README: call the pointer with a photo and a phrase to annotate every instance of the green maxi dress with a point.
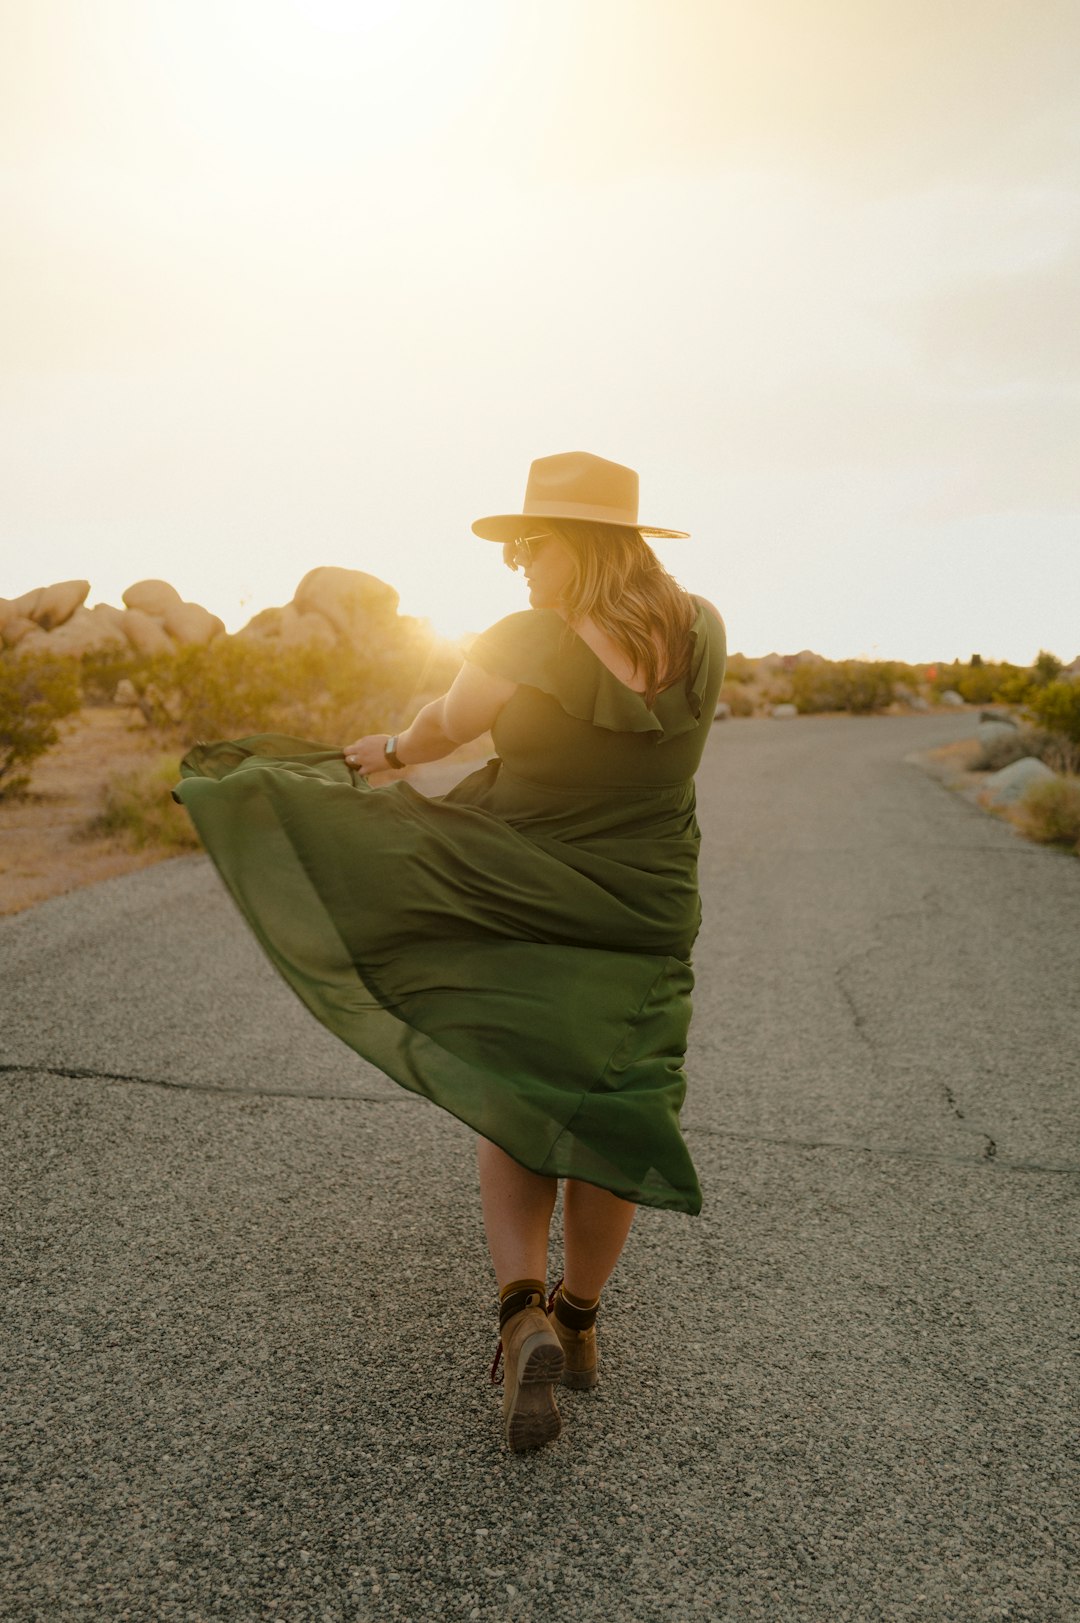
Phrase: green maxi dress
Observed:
(518, 950)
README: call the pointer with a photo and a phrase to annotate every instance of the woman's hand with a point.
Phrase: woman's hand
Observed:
(368, 754)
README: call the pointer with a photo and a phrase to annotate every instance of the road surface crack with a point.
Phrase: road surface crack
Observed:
(78, 1073)
(900, 1151)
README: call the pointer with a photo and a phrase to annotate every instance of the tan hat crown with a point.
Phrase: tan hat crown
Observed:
(577, 485)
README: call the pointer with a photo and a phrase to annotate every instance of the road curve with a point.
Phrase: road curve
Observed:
(248, 1312)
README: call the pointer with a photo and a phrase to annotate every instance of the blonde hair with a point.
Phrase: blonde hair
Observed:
(620, 584)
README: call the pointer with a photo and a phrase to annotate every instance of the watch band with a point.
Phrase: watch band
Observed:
(391, 753)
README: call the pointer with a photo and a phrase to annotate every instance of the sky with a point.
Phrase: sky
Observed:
(297, 282)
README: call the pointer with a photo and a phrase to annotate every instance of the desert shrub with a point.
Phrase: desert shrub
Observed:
(36, 692)
(1057, 705)
(859, 686)
(1047, 668)
(137, 807)
(738, 669)
(1003, 751)
(101, 670)
(1050, 812)
(1053, 748)
(984, 683)
(736, 696)
(236, 686)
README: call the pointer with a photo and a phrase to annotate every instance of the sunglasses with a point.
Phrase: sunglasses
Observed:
(526, 547)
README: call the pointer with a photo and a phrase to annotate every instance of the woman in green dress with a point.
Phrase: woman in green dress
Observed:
(519, 950)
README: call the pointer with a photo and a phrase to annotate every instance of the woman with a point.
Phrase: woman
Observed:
(519, 950)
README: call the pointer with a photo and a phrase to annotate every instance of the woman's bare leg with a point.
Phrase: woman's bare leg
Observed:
(595, 1226)
(517, 1214)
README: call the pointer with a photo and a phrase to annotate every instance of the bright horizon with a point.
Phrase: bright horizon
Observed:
(306, 282)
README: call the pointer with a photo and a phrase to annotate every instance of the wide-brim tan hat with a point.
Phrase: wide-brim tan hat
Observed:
(578, 485)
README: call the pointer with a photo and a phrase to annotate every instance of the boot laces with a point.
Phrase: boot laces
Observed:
(497, 1375)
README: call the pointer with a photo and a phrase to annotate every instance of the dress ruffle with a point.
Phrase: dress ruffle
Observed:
(537, 649)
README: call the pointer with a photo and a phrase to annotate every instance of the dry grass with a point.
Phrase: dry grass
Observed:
(138, 809)
(1050, 813)
(44, 850)
(98, 806)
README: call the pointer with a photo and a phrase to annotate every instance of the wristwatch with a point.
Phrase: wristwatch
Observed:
(392, 757)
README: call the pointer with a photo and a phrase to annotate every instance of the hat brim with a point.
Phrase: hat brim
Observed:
(508, 526)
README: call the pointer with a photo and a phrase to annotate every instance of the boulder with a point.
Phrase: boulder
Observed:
(988, 732)
(190, 624)
(146, 634)
(351, 600)
(919, 703)
(86, 632)
(951, 698)
(299, 628)
(56, 604)
(27, 603)
(722, 711)
(1008, 786)
(1001, 716)
(152, 596)
(267, 623)
(784, 712)
(15, 628)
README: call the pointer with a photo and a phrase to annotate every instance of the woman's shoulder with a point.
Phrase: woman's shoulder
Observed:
(705, 604)
(508, 647)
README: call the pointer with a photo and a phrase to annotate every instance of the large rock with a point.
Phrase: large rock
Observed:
(1010, 785)
(56, 604)
(784, 712)
(988, 732)
(952, 698)
(146, 634)
(152, 597)
(351, 600)
(27, 603)
(87, 632)
(300, 628)
(265, 624)
(191, 625)
(15, 628)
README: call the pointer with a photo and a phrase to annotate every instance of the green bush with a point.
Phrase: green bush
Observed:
(1050, 812)
(1047, 668)
(984, 683)
(36, 692)
(859, 686)
(103, 668)
(138, 808)
(1054, 749)
(739, 669)
(241, 685)
(1004, 750)
(736, 697)
(1057, 706)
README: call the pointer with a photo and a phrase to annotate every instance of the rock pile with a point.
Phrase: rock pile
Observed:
(329, 606)
(54, 619)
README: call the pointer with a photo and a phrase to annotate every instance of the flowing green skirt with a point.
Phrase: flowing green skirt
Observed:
(519, 956)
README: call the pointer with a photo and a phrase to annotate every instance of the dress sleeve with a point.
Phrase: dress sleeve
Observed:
(536, 649)
(523, 647)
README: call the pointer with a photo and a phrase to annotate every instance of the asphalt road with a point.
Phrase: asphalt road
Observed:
(248, 1313)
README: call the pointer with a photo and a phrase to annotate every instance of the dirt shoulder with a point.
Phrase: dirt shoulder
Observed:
(43, 848)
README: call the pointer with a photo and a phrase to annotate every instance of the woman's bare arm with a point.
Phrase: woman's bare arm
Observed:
(466, 710)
